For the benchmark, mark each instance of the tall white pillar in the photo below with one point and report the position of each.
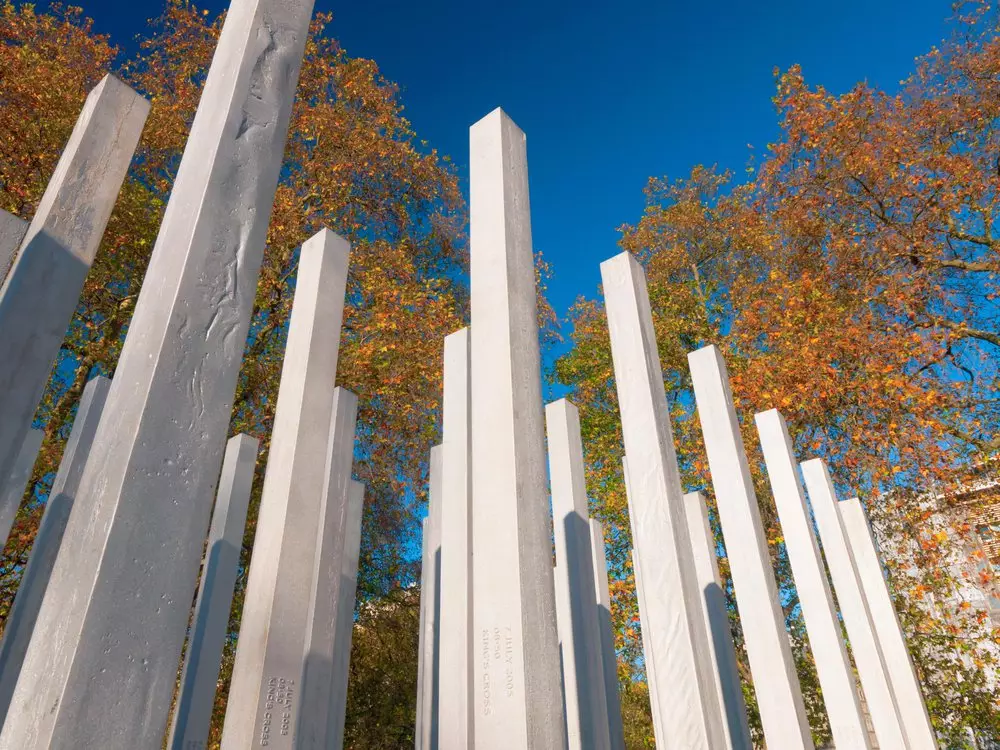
(12, 491)
(109, 638)
(347, 596)
(41, 291)
(455, 723)
(324, 618)
(674, 637)
(12, 231)
(425, 576)
(776, 683)
(210, 623)
(429, 689)
(35, 580)
(860, 631)
(518, 695)
(579, 633)
(659, 733)
(562, 616)
(826, 639)
(609, 658)
(902, 675)
(716, 614)
(640, 595)
(266, 695)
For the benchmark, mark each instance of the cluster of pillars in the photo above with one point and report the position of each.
(148, 508)
(517, 653)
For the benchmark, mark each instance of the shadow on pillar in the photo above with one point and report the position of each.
(436, 665)
(28, 600)
(222, 553)
(33, 327)
(318, 670)
(580, 570)
(725, 654)
(562, 679)
(606, 626)
(43, 256)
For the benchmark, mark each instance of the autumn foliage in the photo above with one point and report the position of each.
(852, 281)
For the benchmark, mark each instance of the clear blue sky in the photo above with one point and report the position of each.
(609, 93)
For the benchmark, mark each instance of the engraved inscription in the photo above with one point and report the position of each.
(497, 654)
(509, 661)
(487, 697)
(278, 696)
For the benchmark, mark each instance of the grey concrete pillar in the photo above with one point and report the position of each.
(640, 595)
(518, 698)
(12, 491)
(674, 637)
(316, 687)
(12, 231)
(109, 637)
(776, 682)
(425, 577)
(826, 639)
(41, 291)
(266, 694)
(429, 689)
(210, 623)
(579, 633)
(609, 658)
(716, 616)
(659, 733)
(868, 656)
(455, 723)
(563, 615)
(35, 580)
(902, 675)
(347, 596)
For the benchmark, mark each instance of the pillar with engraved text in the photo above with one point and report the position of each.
(518, 693)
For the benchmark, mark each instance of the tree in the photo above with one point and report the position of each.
(352, 164)
(852, 283)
